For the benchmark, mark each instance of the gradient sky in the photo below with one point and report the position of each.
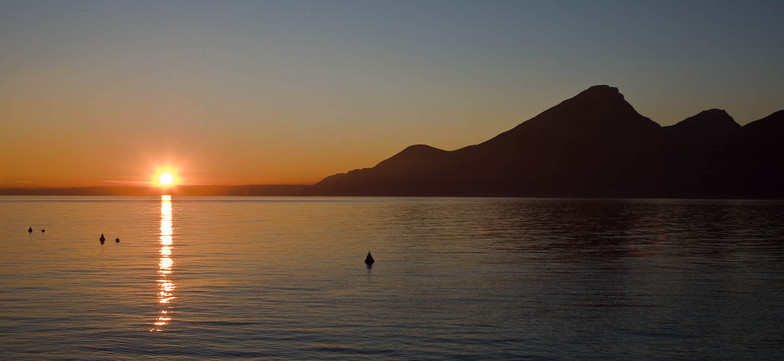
(255, 92)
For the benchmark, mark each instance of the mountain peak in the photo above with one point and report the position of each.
(413, 154)
(710, 126)
(419, 148)
(601, 91)
(598, 108)
(711, 118)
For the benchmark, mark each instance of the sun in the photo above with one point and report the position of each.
(166, 179)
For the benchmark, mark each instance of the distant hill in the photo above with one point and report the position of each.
(592, 145)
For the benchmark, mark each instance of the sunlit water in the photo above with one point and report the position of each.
(278, 278)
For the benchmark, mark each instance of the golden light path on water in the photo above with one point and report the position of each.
(165, 266)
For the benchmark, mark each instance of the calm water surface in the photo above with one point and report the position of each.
(454, 278)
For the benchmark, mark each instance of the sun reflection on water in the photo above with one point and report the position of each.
(165, 266)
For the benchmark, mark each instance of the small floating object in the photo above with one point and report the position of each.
(369, 260)
(102, 239)
(43, 230)
(30, 229)
(117, 240)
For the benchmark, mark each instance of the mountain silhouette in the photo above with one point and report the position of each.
(708, 128)
(592, 145)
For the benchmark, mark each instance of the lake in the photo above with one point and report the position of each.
(454, 278)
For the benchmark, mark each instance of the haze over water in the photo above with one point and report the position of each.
(465, 278)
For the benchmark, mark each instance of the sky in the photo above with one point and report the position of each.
(99, 93)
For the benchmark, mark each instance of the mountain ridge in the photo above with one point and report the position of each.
(594, 144)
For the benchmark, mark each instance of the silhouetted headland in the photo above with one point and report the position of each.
(592, 145)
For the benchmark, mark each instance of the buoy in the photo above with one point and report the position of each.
(116, 240)
(43, 230)
(369, 260)
(30, 229)
(102, 239)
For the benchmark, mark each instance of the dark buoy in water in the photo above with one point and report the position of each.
(30, 230)
(116, 240)
(369, 260)
(102, 239)
(43, 230)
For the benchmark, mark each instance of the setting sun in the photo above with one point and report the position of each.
(166, 179)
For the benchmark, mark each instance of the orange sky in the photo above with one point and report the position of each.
(99, 93)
